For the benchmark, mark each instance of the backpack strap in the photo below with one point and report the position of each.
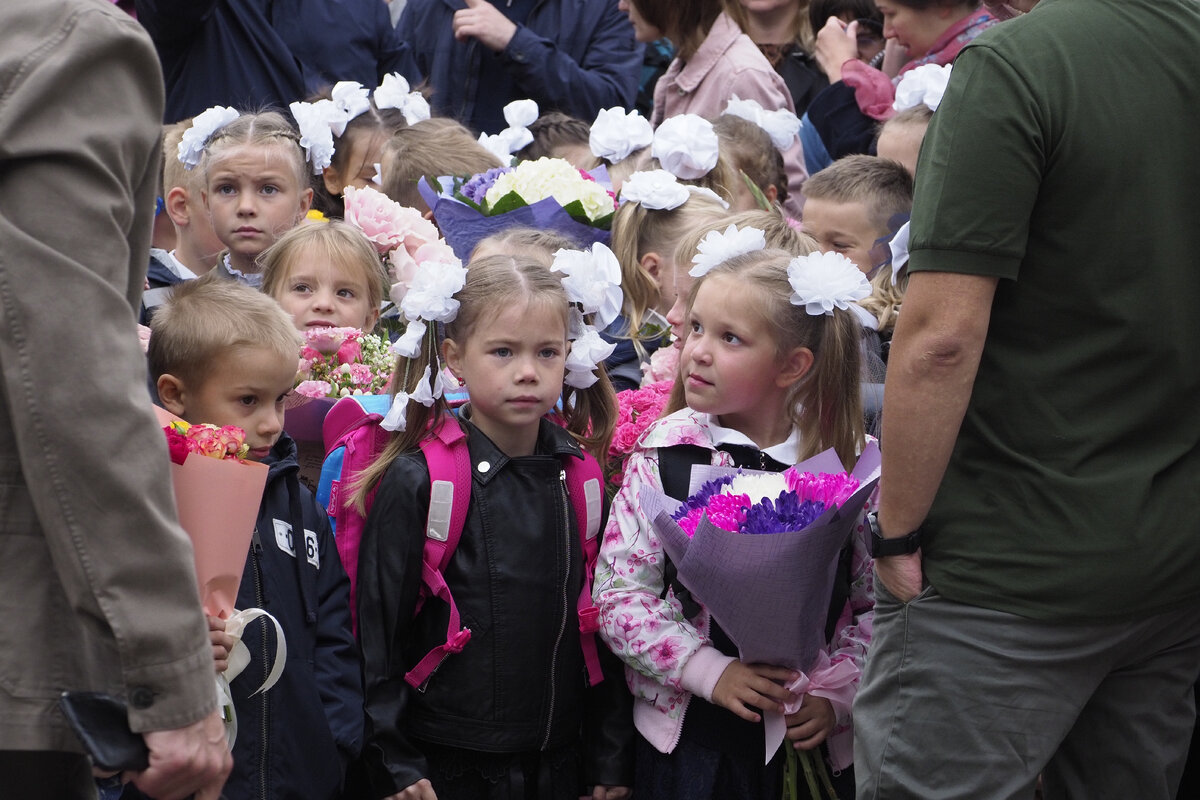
(584, 482)
(675, 471)
(449, 463)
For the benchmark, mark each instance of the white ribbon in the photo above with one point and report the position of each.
(781, 125)
(924, 85)
(616, 134)
(317, 122)
(351, 99)
(717, 247)
(239, 659)
(394, 92)
(195, 139)
(686, 145)
(822, 282)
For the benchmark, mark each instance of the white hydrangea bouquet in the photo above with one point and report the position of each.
(548, 194)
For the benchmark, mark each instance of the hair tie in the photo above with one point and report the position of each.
(781, 125)
(351, 99)
(592, 279)
(195, 139)
(822, 282)
(686, 145)
(924, 85)
(315, 121)
(717, 247)
(616, 134)
(395, 92)
(519, 114)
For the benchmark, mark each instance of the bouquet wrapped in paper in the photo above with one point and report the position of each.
(760, 551)
(548, 194)
(335, 363)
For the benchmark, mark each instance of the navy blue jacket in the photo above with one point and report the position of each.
(576, 56)
(251, 54)
(295, 740)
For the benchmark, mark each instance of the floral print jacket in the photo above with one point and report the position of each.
(667, 656)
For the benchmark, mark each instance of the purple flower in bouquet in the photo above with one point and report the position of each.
(476, 188)
(786, 513)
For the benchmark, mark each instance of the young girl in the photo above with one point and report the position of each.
(645, 230)
(504, 717)
(751, 153)
(356, 155)
(767, 385)
(256, 188)
(326, 275)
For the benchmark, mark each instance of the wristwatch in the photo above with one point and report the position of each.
(898, 546)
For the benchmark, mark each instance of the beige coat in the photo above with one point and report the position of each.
(96, 585)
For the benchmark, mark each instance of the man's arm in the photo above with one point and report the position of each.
(935, 355)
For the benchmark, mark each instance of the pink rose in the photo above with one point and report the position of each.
(623, 440)
(385, 222)
(208, 440)
(360, 374)
(314, 388)
(349, 352)
(323, 341)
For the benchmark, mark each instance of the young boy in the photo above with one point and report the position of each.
(225, 354)
(853, 203)
(196, 245)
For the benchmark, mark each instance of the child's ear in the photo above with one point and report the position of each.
(176, 203)
(305, 201)
(772, 193)
(653, 264)
(334, 183)
(453, 357)
(171, 394)
(795, 366)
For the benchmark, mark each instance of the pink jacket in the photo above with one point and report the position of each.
(668, 657)
(726, 64)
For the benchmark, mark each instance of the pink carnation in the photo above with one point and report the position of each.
(360, 374)
(314, 388)
(385, 222)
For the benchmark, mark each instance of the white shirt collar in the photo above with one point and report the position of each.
(786, 452)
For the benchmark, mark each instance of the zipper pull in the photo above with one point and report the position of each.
(256, 542)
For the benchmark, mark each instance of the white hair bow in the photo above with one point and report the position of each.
(686, 145)
(395, 92)
(924, 85)
(781, 125)
(519, 114)
(616, 134)
(717, 247)
(822, 282)
(204, 125)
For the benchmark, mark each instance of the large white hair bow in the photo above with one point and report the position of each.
(781, 125)
(717, 247)
(616, 134)
(394, 92)
(924, 85)
(519, 114)
(204, 125)
(686, 145)
(822, 282)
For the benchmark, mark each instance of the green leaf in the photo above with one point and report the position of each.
(510, 202)
(759, 197)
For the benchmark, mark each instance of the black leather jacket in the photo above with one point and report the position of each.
(519, 685)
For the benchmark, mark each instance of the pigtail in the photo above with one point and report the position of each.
(590, 415)
(829, 408)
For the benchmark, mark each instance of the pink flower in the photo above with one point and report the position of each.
(385, 222)
(314, 388)
(665, 654)
(360, 374)
(323, 341)
(349, 351)
(628, 624)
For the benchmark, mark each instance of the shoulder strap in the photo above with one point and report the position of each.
(584, 482)
(449, 461)
(675, 471)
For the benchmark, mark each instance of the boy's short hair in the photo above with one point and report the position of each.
(429, 149)
(204, 319)
(882, 185)
(173, 172)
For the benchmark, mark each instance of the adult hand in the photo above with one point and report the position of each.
(609, 793)
(421, 790)
(481, 20)
(837, 43)
(901, 575)
(759, 685)
(186, 762)
(895, 56)
(812, 724)
(221, 642)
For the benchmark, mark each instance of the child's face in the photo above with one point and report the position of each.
(365, 151)
(244, 388)
(676, 315)
(254, 196)
(730, 364)
(513, 364)
(321, 293)
(844, 228)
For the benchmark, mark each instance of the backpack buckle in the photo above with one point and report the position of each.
(458, 641)
(589, 619)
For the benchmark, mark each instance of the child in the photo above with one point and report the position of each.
(256, 189)
(357, 153)
(901, 136)
(853, 203)
(751, 154)
(767, 385)
(224, 354)
(644, 234)
(556, 135)
(429, 150)
(510, 708)
(326, 275)
(521, 242)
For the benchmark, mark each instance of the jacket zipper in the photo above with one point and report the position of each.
(562, 627)
(258, 601)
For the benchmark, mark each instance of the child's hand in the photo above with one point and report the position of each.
(609, 793)
(221, 642)
(421, 790)
(810, 726)
(758, 685)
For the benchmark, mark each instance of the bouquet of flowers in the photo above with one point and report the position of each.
(335, 363)
(759, 550)
(636, 410)
(547, 193)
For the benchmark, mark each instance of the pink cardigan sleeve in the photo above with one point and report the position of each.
(873, 90)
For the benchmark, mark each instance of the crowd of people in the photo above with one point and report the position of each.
(947, 232)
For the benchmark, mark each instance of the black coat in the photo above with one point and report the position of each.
(519, 684)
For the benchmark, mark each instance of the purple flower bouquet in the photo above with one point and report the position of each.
(760, 551)
(547, 194)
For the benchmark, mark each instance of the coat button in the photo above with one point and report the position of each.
(484, 466)
(141, 697)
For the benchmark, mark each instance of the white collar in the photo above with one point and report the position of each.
(172, 262)
(786, 452)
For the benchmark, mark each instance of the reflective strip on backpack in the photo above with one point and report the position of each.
(592, 497)
(441, 505)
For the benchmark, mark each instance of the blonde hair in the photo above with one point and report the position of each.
(884, 186)
(778, 233)
(824, 406)
(636, 231)
(885, 298)
(267, 128)
(204, 319)
(493, 283)
(430, 149)
(751, 152)
(174, 174)
(339, 242)
(722, 179)
(523, 242)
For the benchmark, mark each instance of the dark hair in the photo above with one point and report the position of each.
(819, 12)
(750, 150)
(554, 130)
(685, 22)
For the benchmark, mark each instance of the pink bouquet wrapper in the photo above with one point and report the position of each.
(770, 592)
(218, 503)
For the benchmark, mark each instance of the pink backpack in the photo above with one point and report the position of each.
(353, 440)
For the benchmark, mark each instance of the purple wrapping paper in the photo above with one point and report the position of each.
(463, 226)
(303, 420)
(769, 592)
